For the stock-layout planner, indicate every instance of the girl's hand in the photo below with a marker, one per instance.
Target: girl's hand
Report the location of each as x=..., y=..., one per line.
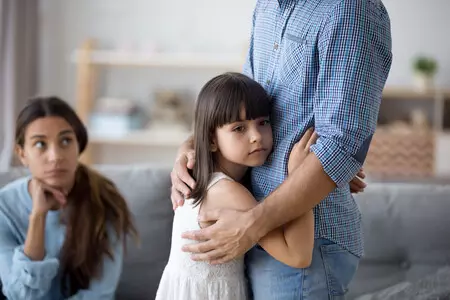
x=45, y=197
x=301, y=150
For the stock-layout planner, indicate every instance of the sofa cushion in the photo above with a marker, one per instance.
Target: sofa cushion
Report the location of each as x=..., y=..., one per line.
x=405, y=234
x=147, y=191
x=387, y=293
x=434, y=286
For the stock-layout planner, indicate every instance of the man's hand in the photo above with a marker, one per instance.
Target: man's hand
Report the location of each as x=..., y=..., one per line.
x=182, y=182
x=357, y=185
x=230, y=237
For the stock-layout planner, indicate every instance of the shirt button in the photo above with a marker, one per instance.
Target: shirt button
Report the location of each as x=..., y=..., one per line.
x=275, y=46
x=268, y=81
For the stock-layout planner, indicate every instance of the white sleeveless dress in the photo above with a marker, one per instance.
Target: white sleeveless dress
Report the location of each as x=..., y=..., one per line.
x=185, y=279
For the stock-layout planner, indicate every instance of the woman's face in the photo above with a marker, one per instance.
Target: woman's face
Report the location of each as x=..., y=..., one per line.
x=50, y=152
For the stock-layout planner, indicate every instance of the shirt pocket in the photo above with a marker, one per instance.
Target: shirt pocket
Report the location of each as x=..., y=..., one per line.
x=294, y=60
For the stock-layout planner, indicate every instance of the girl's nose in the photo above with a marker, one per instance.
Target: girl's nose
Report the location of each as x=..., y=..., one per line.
x=255, y=136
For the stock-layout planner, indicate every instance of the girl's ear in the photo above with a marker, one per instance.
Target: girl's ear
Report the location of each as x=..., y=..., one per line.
x=213, y=145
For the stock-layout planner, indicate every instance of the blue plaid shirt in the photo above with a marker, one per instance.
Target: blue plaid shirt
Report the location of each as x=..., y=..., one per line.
x=325, y=64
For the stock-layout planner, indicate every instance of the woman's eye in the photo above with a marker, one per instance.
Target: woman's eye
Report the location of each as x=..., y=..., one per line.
x=265, y=122
x=66, y=141
x=239, y=129
x=39, y=144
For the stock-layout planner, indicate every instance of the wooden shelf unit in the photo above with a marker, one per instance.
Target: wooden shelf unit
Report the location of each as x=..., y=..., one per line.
x=88, y=60
x=410, y=154
x=150, y=137
x=164, y=60
x=408, y=93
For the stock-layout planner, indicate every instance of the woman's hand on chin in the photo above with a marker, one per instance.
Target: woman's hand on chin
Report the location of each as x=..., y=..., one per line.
x=45, y=197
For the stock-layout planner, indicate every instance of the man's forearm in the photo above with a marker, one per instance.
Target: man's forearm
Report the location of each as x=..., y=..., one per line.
x=299, y=193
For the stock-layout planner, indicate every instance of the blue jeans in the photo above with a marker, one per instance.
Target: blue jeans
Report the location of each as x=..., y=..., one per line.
x=328, y=277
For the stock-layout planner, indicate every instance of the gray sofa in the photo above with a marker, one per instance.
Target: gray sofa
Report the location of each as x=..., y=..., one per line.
x=406, y=231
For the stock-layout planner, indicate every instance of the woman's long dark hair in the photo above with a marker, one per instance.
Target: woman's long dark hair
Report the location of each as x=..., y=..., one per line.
x=94, y=205
x=219, y=103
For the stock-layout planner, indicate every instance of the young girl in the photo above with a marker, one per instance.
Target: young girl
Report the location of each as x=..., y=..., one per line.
x=63, y=228
x=232, y=133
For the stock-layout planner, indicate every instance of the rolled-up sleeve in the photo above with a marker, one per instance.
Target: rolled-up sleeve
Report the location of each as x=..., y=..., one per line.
x=21, y=277
x=355, y=57
x=37, y=275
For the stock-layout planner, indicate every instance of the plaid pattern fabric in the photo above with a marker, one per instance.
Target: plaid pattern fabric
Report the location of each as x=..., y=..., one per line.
x=325, y=64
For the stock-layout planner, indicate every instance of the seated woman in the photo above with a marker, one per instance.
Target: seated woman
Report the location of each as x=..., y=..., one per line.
x=63, y=228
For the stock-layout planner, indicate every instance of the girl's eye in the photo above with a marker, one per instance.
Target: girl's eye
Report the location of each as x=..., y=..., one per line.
x=265, y=122
x=239, y=128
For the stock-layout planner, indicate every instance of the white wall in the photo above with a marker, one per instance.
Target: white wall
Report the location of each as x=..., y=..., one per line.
x=419, y=27
x=442, y=155
x=177, y=25
x=202, y=25
x=53, y=64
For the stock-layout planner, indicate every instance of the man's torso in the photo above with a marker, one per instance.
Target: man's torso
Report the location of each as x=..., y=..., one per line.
x=285, y=61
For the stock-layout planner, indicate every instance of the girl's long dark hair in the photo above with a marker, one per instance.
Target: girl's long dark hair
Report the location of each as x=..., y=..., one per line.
x=220, y=102
x=94, y=205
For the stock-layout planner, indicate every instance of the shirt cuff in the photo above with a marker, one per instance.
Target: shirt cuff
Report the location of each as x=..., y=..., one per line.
x=34, y=274
x=338, y=164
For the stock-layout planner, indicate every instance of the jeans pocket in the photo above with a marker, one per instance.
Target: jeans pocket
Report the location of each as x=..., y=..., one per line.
x=340, y=267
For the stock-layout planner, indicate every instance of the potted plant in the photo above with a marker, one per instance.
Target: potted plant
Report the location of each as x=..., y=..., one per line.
x=424, y=70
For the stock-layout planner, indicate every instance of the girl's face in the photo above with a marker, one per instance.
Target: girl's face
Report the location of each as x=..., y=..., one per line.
x=50, y=152
x=245, y=143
